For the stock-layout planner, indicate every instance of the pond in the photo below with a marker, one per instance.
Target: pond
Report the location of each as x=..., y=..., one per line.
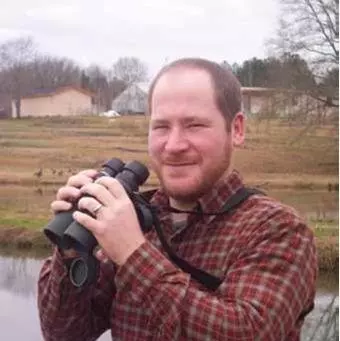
x=19, y=315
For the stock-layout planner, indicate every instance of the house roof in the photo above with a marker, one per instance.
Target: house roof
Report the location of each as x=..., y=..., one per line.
x=143, y=86
x=46, y=92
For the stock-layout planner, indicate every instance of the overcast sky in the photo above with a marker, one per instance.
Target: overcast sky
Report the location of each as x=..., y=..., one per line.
x=156, y=31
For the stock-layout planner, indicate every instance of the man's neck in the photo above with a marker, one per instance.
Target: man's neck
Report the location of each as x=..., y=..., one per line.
x=181, y=205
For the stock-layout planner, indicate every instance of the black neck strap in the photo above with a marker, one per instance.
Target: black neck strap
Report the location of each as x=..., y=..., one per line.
x=209, y=281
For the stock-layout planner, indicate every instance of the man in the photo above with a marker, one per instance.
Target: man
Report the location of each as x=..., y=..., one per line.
x=264, y=253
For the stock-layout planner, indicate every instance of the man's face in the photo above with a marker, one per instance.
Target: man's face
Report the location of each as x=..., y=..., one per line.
x=189, y=146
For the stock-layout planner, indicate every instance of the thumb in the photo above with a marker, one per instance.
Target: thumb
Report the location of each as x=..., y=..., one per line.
x=101, y=256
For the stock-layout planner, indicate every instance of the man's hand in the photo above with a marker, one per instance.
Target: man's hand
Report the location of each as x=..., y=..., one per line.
x=116, y=226
x=68, y=195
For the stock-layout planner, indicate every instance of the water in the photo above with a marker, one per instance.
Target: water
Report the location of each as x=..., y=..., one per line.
x=19, y=315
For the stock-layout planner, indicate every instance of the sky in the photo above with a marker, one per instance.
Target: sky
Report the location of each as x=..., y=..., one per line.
x=155, y=31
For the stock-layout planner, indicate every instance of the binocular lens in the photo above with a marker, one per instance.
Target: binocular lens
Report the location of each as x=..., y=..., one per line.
x=83, y=270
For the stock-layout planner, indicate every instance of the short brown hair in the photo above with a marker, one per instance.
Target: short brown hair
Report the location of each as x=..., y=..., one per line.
x=227, y=89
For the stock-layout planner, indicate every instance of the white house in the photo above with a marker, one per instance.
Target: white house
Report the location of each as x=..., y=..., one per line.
x=133, y=100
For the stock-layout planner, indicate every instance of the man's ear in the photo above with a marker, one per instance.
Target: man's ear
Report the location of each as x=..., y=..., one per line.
x=238, y=129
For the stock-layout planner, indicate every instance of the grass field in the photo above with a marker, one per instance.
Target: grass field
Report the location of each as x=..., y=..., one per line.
x=273, y=154
x=38, y=155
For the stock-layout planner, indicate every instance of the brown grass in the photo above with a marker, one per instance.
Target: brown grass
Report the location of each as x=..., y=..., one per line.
x=22, y=238
x=276, y=157
x=269, y=155
x=328, y=253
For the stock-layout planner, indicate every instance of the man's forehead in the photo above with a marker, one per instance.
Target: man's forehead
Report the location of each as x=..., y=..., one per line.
x=183, y=80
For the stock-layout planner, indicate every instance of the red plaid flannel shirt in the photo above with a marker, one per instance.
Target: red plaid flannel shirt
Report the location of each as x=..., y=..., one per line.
x=264, y=252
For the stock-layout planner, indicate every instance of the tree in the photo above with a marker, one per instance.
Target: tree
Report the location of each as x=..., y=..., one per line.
x=330, y=83
x=310, y=28
x=103, y=83
x=15, y=56
x=252, y=73
x=288, y=71
x=130, y=70
x=98, y=82
x=51, y=72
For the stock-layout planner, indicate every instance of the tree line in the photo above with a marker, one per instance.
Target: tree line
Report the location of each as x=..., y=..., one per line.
x=289, y=71
x=304, y=56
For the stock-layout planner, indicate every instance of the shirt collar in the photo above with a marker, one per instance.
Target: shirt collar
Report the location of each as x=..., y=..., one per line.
x=221, y=192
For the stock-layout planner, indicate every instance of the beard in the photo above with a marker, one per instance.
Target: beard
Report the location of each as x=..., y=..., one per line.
x=194, y=186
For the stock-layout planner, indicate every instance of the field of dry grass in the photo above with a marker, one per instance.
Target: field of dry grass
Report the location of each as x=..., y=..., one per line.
x=274, y=154
x=38, y=155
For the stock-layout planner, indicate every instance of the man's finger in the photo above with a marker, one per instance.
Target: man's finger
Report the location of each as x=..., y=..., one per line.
x=60, y=206
x=88, y=222
x=90, y=204
x=68, y=193
x=101, y=256
x=99, y=192
x=89, y=172
x=82, y=178
x=114, y=187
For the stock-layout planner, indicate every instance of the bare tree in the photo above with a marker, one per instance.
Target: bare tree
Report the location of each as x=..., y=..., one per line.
x=130, y=70
x=117, y=86
x=98, y=82
x=50, y=72
x=15, y=56
x=311, y=29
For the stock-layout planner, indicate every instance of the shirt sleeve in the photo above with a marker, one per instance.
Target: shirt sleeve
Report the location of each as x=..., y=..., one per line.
x=73, y=314
x=262, y=296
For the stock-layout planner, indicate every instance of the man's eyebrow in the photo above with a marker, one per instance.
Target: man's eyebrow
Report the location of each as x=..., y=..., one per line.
x=194, y=118
x=158, y=121
x=187, y=119
x=191, y=118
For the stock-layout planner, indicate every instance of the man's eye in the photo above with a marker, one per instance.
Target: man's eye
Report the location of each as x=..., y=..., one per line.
x=159, y=127
x=196, y=125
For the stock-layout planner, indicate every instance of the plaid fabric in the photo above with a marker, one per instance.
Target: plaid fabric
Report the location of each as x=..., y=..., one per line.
x=264, y=252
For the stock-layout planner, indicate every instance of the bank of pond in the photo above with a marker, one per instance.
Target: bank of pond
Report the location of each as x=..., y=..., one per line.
x=19, y=270
x=35, y=242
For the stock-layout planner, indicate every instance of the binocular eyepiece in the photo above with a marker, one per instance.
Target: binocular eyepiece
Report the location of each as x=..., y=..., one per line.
x=66, y=233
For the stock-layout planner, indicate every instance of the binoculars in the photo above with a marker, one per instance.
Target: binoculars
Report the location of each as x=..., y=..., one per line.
x=66, y=233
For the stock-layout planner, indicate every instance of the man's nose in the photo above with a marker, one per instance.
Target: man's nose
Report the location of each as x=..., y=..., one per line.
x=176, y=141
